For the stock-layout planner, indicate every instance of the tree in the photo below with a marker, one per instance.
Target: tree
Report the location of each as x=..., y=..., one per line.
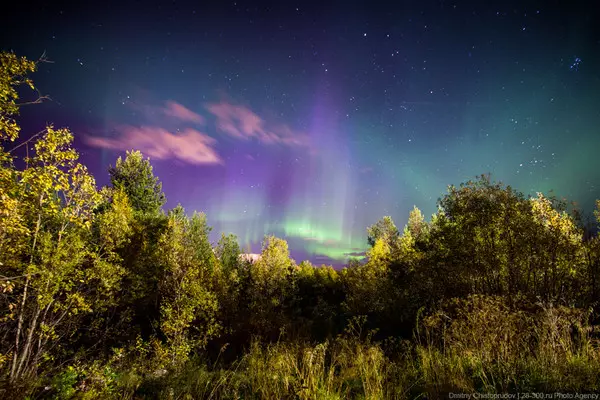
x=187, y=299
x=231, y=280
x=367, y=286
x=228, y=252
x=383, y=229
x=111, y=232
x=271, y=286
x=60, y=273
x=417, y=226
x=138, y=309
x=490, y=239
x=473, y=238
x=135, y=177
x=13, y=73
x=317, y=301
x=592, y=256
x=52, y=271
x=558, y=268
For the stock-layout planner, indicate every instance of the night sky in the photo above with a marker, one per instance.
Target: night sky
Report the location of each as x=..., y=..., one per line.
x=313, y=121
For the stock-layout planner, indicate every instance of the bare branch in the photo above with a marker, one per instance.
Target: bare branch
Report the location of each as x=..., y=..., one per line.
x=44, y=59
x=41, y=98
x=10, y=278
x=27, y=141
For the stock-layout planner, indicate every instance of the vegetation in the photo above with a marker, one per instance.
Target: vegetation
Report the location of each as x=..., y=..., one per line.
x=106, y=295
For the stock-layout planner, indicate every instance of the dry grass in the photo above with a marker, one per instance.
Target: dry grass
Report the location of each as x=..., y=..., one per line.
x=474, y=345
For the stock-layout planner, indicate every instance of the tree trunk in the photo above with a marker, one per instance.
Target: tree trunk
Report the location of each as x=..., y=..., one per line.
x=13, y=370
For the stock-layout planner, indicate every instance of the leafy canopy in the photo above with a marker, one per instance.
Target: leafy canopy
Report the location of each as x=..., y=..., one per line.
x=134, y=176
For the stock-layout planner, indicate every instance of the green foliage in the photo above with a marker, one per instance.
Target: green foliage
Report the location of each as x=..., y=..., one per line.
x=64, y=383
x=134, y=176
x=186, y=298
x=483, y=344
x=271, y=287
x=60, y=275
x=228, y=252
x=13, y=73
x=229, y=280
x=383, y=229
x=54, y=272
x=367, y=286
x=489, y=239
x=417, y=226
x=13, y=228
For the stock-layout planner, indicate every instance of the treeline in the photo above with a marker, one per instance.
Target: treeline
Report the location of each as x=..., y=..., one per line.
x=104, y=294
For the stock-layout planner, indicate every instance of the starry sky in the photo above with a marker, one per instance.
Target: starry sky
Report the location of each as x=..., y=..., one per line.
x=312, y=121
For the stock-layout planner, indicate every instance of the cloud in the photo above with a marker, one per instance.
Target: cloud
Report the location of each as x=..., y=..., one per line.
x=242, y=123
x=356, y=254
x=178, y=111
x=156, y=139
x=190, y=146
x=175, y=111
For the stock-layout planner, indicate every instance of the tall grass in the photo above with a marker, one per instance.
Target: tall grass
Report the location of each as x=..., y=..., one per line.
x=340, y=369
x=475, y=345
x=482, y=345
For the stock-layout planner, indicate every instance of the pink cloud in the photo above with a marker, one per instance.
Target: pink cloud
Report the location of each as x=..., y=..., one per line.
x=242, y=123
x=250, y=257
x=190, y=146
x=178, y=111
x=171, y=109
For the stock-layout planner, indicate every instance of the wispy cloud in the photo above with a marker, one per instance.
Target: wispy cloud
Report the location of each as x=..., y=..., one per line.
x=176, y=113
x=356, y=254
x=190, y=145
x=158, y=139
x=242, y=123
x=182, y=113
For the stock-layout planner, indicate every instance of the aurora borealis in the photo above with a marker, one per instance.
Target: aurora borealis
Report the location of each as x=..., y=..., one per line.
x=313, y=121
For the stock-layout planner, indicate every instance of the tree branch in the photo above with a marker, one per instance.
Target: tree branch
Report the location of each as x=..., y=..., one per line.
x=27, y=141
x=10, y=278
x=43, y=59
x=39, y=99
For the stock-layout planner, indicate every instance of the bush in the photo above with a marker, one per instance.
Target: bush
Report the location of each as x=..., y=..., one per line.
x=483, y=344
